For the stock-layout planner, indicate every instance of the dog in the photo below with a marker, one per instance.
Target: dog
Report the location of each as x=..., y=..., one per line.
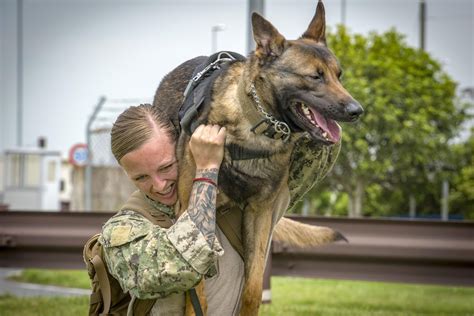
x=285, y=90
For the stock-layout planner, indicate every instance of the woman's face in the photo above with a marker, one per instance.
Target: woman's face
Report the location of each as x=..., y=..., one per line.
x=153, y=168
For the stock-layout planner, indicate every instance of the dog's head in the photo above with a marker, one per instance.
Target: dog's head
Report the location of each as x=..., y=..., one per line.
x=304, y=77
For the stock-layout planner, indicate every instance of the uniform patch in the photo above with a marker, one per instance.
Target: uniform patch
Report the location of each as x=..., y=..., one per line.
x=120, y=235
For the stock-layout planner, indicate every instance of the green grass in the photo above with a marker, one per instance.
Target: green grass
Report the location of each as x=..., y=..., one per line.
x=297, y=296
x=67, y=278
x=290, y=297
x=43, y=306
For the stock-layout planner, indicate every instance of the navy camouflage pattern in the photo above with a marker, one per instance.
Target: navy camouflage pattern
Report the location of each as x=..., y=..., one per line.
x=153, y=262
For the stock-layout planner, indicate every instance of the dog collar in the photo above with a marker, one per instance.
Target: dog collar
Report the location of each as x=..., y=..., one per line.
x=269, y=125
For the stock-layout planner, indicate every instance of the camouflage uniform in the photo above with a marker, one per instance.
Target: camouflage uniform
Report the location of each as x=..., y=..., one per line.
x=310, y=163
x=154, y=262
x=151, y=261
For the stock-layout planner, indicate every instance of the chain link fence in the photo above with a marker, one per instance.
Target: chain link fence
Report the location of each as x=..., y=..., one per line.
x=105, y=185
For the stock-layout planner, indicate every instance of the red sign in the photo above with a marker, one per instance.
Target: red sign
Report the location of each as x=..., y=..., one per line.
x=78, y=155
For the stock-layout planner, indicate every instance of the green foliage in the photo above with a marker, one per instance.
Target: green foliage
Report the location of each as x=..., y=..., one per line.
x=462, y=198
x=411, y=115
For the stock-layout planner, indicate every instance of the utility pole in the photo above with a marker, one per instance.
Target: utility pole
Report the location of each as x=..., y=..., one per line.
x=214, y=30
x=19, y=73
x=343, y=12
x=422, y=23
x=253, y=6
x=445, y=200
x=88, y=171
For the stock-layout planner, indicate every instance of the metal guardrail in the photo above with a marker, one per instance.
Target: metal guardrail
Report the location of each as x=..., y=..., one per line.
x=384, y=250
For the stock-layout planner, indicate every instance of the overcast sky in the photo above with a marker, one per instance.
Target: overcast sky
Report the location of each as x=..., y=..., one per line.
x=75, y=51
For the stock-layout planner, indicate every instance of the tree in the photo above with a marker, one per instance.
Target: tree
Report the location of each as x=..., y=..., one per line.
x=410, y=117
x=462, y=198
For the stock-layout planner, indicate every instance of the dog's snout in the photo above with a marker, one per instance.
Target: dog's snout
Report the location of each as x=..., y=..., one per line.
x=354, y=110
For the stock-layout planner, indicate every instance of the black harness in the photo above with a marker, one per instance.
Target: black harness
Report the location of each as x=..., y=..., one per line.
x=197, y=96
x=197, y=100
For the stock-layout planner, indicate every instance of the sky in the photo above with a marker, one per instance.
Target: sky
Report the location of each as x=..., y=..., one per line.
x=76, y=51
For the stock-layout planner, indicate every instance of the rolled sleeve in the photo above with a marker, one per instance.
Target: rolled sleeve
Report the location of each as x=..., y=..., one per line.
x=144, y=259
x=191, y=244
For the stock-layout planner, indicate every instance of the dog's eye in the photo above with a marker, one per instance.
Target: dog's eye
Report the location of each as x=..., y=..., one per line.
x=318, y=76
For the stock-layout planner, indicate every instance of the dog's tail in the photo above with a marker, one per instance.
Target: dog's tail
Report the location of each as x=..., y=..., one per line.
x=291, y=233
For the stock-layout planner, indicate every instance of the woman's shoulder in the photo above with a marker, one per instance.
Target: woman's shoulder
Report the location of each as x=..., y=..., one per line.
x=124, y=227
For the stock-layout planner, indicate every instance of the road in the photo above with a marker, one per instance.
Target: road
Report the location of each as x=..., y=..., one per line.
x=29, y=289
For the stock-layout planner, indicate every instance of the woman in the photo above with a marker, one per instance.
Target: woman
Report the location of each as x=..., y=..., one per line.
x=150, y=261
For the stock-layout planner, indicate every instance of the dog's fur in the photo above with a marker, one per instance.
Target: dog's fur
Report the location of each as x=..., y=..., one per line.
x=288, y=75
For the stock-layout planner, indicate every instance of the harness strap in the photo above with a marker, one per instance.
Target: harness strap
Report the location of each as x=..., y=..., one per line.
x=104, y=284
x=230, y=222
x=268, y=129
x=195, y=302
x=198, y=93
x=238, y=152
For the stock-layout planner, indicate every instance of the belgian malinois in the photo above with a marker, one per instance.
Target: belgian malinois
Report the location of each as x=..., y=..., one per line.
x=285, y=90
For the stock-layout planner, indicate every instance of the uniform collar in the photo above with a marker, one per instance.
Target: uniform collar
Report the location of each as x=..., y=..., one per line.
x=162, y=208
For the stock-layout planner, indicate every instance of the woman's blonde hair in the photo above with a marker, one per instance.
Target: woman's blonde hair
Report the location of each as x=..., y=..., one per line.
x=135, y=126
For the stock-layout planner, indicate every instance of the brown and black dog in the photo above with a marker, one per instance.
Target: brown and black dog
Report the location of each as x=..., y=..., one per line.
x=283, y=91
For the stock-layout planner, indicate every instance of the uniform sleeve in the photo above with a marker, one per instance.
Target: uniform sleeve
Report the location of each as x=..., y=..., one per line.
x=151, y=261
x=310, y=163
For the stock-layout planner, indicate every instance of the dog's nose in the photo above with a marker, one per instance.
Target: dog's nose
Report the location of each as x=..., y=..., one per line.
x=354, y=110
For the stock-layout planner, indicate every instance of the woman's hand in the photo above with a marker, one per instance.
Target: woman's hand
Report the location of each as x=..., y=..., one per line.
x=207, y=146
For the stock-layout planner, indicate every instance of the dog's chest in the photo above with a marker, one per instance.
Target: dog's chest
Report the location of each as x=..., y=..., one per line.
x=247, y=179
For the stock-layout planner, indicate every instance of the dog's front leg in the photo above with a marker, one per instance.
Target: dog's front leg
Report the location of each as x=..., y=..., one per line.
x=257, y=223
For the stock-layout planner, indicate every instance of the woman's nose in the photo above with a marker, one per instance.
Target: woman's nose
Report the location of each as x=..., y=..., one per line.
x=158, y=183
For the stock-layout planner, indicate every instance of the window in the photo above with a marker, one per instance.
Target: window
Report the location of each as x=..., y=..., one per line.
x=32, y=171
x=13, y=170
x=52, y=171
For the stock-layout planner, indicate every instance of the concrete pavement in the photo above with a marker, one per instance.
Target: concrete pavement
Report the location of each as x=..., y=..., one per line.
x=29, y=289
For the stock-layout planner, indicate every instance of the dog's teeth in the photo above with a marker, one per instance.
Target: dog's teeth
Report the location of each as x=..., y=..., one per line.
x=325, y=135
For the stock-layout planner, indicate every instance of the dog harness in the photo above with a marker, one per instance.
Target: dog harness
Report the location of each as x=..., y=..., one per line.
x=197, y=96
x=197, y=100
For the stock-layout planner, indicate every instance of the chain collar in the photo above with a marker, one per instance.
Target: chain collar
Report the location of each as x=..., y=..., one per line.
x=279, y=127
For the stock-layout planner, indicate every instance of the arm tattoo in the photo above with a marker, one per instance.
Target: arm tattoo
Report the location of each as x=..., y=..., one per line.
x=202, y=204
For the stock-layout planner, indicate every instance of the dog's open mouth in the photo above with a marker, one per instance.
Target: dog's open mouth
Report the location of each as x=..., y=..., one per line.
x=319, y=126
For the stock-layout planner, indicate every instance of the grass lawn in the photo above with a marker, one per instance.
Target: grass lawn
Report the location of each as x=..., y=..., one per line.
x=297, y=296
x=290, y=296
x=68, y=278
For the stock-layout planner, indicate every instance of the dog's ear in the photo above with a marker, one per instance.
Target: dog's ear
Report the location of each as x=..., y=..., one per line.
x=270, y=43
x=317, y=28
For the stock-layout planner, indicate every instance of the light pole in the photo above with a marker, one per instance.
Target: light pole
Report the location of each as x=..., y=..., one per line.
x=343, y=12
x=19, y=71
x=214, y=29
x=253, y=6
x=422, y=24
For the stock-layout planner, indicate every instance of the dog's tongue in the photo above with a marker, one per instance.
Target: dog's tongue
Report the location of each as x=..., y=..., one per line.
x=329, y=126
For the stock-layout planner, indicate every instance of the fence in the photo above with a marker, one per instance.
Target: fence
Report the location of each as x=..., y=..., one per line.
x=383, y=250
